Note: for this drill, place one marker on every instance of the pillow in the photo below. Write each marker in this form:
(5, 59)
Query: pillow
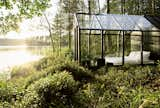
(132, 54)
(146, 55)
(137, 54)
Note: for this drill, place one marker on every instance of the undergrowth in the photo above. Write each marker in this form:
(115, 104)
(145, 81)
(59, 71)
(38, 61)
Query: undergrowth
(58, 82)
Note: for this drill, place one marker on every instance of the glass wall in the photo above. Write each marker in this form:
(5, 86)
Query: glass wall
(123, 39)
(90, 44)
(112, 43)
(152, 44)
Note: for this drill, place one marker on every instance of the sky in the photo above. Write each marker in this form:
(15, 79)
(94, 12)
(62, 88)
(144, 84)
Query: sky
(29, 27)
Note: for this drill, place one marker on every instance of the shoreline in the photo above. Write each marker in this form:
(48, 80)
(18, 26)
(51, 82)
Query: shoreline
(5, 72)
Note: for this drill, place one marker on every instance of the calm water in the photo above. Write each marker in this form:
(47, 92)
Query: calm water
(11, 56)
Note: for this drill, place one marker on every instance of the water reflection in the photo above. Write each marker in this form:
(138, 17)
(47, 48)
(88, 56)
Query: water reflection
(16, 55)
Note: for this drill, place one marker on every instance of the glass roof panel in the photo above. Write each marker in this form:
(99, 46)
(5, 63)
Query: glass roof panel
(142, 22)
(107, 21)
(125, 22)
(88, 21)
(114, 22)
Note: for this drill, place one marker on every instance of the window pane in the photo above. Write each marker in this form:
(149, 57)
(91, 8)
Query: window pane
(126, 22)
(142, 22)
(108, 22)
(88, 22)
(115, 22)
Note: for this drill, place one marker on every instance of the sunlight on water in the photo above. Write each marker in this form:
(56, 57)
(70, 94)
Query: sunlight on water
(11, 58)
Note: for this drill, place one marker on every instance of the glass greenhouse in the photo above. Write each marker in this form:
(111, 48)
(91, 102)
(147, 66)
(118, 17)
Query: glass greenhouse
(116, 39)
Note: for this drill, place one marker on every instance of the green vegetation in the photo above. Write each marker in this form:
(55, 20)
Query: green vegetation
(14, 11)
(58, 82)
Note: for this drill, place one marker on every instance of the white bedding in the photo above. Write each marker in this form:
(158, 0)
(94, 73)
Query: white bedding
(133, 58)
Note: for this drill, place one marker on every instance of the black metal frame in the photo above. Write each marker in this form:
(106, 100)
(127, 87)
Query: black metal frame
(78, 39)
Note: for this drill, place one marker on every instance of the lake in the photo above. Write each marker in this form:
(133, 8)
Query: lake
(11, 56)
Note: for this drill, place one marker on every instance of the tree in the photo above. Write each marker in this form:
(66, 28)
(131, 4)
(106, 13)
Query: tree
(93, 6)
(136, 7)
(13, 11)
(142, 7)
(157, 7)
(50, 31)
(69, 7)
(58, 30)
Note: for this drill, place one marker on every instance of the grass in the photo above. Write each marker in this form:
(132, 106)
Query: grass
(57, 81)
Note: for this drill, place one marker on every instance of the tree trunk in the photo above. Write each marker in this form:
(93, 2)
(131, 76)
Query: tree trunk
(109, 42)
(89, 6)
(50, 31)
(108, 6)
(123, 6)
(69, 32)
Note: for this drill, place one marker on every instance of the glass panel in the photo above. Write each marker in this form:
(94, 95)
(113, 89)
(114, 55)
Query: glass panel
(95, 44)
(142, 22)
(113, 48)
(127, 49)
(108, 22)
(135, 55)
(84, 45)
(88, 21)
(90, 46)
(115, 22)
(126, 22)
(112, 43)
(152, 44)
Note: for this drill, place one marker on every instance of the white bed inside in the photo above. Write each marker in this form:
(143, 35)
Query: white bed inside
(133, 58)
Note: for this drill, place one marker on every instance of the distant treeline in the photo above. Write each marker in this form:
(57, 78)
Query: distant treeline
(12, 42)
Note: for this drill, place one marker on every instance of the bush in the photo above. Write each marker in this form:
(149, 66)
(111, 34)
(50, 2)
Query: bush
(22, 71)
(5, 105)
(79, 73)
(61, 83)
(9, 92)
(52, 91)
(44, 63)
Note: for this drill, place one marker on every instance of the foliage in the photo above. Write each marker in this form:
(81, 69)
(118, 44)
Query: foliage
(50, 65)
(59, 82)
(136, 7)
(13, 11)
(9, 93)
(52, 91)
(63, 21)
(129, 86)
(22, 71)
(79, 73)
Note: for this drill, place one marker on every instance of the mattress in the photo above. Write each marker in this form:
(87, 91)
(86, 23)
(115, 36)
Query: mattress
(133, 58)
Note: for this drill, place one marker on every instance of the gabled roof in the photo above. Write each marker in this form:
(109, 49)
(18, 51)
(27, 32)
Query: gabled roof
(116, 22)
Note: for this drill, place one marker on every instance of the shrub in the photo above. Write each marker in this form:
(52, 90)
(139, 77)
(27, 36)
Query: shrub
(61, 83)
(9, 92)
(6, 92)
(79, 73)
(22, 71)
(130, 86)
(52, 91)
(5, 105)
(90, 96)
(43, 63)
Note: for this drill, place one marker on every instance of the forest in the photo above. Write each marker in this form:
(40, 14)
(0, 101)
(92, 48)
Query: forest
(57, 80)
